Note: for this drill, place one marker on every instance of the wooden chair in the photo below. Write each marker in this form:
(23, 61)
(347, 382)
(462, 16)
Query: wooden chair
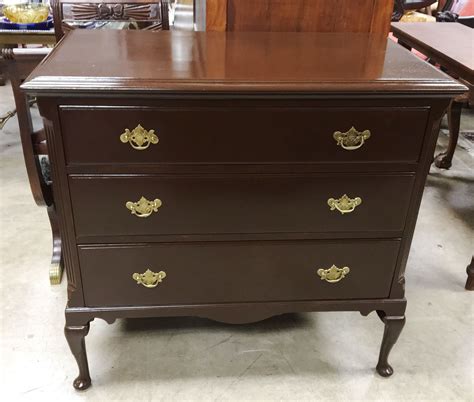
(136, 14)
(461, 11)
(402, 6)
(17, 65)
(299, 15)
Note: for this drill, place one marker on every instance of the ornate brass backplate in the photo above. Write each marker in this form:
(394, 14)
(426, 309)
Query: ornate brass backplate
(149, 279)
(344, 204)
(352, 139)
(143, 207)
(333, 274)
(139, 138)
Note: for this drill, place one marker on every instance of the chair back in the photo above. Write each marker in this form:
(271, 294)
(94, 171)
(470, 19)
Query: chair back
(122, 14)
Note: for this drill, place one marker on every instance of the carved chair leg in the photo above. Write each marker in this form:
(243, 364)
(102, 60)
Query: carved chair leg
(444, 159)
(56, 268)
(470, 275)
(7, 116)
(75, 337)
(393, 328)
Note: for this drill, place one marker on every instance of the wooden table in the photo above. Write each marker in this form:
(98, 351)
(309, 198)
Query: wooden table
(12, 38)
(451, 46)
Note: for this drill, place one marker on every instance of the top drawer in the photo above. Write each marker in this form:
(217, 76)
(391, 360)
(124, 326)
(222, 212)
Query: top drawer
(242, 135)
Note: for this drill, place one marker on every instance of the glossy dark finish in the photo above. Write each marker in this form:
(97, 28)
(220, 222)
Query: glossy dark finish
(245, 272)
(392, 330)
(299, 15)
(297, 134)
(75, 337)
(240, 204)
(219, 63)
(232, 199)
(447, 44)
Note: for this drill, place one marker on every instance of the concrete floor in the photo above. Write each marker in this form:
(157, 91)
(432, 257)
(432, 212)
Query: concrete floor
(319, 356)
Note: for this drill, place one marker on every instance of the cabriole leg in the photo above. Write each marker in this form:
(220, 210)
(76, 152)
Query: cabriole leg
(470, 275)
(75, 337)
(393, 328)
(444, 159)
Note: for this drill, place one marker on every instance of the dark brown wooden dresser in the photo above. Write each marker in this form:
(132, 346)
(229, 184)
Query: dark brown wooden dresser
(236, 176)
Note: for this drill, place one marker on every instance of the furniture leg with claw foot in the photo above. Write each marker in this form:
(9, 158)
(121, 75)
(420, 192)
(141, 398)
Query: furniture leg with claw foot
(444, 159)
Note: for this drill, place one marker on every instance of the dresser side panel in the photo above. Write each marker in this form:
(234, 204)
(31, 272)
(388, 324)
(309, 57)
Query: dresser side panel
(49, 112)
(438, 109)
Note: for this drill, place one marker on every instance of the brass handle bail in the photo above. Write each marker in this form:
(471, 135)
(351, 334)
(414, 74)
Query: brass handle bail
(344, 205)
(333, 274)
(143, 208)
(351, 139)
(149, 279)
(139, 138)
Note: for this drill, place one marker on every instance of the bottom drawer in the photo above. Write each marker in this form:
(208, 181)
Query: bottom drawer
(236, 272)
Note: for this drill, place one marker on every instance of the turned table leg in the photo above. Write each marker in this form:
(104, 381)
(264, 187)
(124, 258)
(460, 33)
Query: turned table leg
(444, 159)
(470, 275)
(393, 328)
(75, 337)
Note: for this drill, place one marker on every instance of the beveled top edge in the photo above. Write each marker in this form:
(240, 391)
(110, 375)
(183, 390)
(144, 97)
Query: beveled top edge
(235, 63)
(54, 85)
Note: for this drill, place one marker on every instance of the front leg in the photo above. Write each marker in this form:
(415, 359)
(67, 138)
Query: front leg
(75, 337)
(444, 159)
(470, 275)
(393, 328)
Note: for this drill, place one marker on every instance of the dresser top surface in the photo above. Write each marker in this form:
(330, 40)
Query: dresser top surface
(161, 62)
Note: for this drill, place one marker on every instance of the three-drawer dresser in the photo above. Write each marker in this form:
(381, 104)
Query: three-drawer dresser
(236, 176)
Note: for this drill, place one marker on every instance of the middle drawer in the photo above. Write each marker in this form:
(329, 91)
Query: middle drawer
(230, 204)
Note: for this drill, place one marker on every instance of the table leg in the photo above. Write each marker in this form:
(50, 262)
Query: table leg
(2, 80)
(470, 275)
(444, 159)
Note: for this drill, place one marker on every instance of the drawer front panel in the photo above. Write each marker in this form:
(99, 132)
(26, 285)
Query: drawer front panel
(236, 272)
(212, 204)
(252, 135)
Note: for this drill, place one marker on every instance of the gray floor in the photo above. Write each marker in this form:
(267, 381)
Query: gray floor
(329, 356)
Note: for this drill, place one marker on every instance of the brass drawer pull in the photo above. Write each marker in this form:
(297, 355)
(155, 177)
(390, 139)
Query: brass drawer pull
(143, 208)
(352, 139)
(333, 274)
(344, 204)
(149, 279)
(139, 138)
